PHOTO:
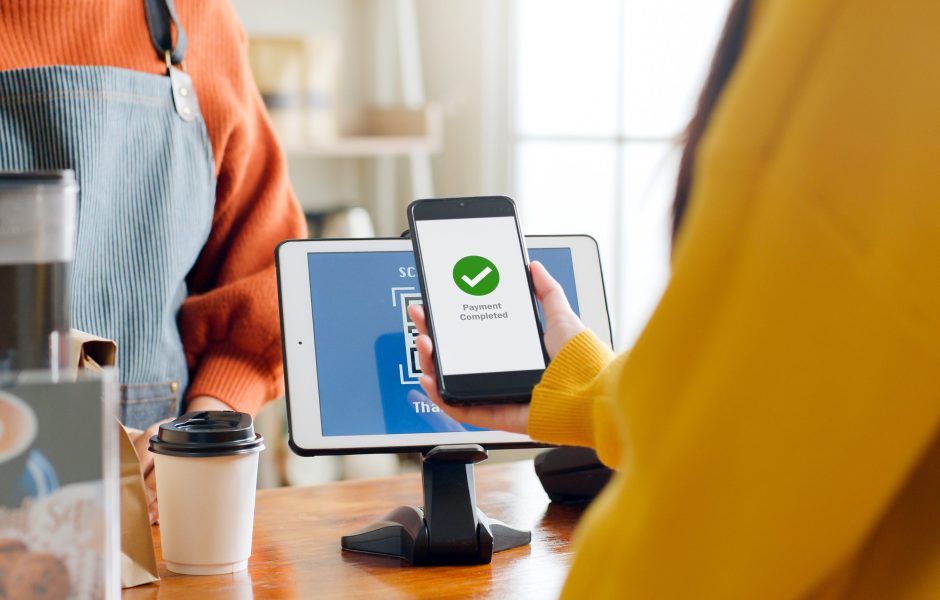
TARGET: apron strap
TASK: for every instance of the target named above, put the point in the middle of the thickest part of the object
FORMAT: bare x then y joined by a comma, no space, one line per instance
160,15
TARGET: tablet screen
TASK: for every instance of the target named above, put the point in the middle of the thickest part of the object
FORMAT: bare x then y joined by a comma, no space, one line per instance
367,365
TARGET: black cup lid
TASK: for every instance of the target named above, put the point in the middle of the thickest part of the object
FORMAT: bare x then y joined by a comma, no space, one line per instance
207,433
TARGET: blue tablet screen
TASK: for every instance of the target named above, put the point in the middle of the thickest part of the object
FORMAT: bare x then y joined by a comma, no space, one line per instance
366,360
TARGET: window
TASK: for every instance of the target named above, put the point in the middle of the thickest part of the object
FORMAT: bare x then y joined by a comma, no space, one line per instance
602,89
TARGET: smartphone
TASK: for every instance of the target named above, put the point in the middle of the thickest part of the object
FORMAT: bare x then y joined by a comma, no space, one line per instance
478,298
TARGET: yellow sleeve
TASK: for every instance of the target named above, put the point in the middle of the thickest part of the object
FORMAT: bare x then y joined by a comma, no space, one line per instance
786,386
572,406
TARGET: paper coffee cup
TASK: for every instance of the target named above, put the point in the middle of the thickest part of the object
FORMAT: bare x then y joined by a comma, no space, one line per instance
18,427
206,467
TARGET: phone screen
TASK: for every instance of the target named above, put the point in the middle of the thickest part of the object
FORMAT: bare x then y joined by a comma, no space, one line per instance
476,281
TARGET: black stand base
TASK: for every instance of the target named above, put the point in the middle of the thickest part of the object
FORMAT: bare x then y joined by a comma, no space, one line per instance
571,475
451,530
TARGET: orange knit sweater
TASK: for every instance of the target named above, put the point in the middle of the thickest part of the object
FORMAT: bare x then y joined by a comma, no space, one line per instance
229,324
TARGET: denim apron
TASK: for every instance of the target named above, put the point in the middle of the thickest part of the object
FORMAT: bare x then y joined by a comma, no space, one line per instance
138,145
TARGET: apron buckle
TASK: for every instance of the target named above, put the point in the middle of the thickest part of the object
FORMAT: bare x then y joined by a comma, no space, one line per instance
184,96
169,62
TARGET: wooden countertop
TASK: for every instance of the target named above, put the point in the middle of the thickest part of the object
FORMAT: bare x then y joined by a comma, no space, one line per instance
296,548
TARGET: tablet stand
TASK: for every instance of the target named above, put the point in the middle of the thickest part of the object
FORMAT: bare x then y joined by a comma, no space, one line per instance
450,530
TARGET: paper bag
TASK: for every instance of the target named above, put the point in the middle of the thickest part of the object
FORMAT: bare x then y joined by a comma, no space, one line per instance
90,351
138,563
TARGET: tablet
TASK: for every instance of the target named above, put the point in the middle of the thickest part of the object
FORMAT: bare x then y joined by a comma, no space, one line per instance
350,364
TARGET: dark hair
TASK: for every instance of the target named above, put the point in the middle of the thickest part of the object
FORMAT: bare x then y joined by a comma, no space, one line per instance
726,57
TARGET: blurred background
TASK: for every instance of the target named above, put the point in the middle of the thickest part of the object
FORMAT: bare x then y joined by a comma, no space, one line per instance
574,108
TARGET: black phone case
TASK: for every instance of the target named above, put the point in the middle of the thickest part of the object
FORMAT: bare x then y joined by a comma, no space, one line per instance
446,395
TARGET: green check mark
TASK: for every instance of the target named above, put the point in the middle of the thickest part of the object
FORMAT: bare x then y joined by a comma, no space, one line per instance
476,275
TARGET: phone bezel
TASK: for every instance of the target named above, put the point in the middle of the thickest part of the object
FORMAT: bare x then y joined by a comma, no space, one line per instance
477,388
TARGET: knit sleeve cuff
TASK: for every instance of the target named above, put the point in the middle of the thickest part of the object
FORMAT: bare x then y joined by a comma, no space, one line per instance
561,409
242,381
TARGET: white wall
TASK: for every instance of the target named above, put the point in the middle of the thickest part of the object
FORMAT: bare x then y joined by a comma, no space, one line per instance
453,36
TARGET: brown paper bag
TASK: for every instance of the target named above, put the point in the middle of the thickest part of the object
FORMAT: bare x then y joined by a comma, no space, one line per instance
138,562
90,351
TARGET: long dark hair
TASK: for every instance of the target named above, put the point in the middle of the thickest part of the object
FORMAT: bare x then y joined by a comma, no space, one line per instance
726,57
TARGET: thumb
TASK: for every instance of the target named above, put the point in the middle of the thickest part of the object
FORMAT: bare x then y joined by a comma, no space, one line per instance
561,323
549,292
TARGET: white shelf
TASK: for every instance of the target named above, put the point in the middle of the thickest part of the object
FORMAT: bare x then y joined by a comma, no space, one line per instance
380,132
365,147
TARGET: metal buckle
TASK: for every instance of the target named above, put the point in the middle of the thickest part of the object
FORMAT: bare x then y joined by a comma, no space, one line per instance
181,87
167,57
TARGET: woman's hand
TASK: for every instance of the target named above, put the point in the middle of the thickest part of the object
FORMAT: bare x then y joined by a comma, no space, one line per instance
141,441
561,324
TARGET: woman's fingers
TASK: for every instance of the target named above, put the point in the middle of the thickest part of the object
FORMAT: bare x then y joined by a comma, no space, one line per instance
505,417
513,418
142,447
550,293
425,356
547,290
425,346
416,312
150,487
141,440
561,323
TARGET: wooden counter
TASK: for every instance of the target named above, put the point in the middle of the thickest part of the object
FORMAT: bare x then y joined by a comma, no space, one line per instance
297,552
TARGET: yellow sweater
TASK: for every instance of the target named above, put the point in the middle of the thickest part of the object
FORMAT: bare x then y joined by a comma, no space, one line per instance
776,428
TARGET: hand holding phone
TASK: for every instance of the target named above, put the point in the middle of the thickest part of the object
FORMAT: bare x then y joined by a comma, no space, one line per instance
479,299
561,324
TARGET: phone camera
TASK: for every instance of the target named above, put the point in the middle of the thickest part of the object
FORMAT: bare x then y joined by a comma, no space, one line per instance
463,203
